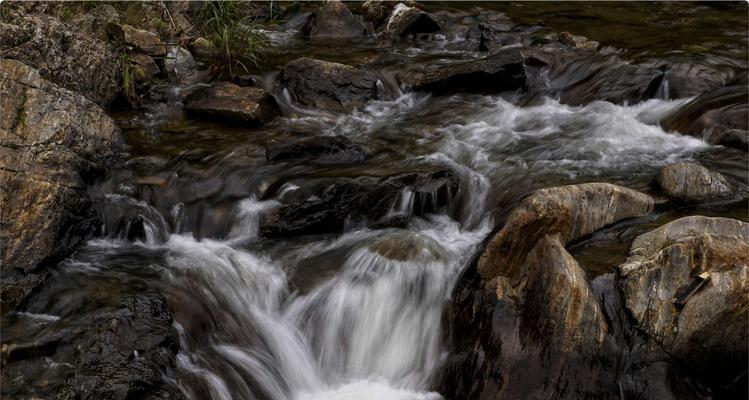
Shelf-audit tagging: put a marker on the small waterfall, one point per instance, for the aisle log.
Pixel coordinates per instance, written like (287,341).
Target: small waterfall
(130,219)
(248,213)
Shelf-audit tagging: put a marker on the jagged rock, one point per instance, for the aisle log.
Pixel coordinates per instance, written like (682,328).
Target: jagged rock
(708,334)
(690,182)
(494,37)
(571,211)
(181,67)
(53,141)
(334,20)
(139,39)
(405,20)
(328,207)
(719,117)
(498,72)
(94,22)
(145,67)
(374,11)
(329,85)
(320,149)
(227,100)
(116,352)
(61,55)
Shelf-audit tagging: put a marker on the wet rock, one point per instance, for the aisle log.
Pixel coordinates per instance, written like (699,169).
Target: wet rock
(494,37)
(375,11)
(330,86)
(329,207)
(686,79)
(691,182)
(578,42)
(246,80)
(495,73)
(405,20)
(718,117)
(320,149)
(116,353)
(54,142)
(236,103)
(570,211)
(708,334)
(408,246)
(140,39)
(62,55)
(334,20)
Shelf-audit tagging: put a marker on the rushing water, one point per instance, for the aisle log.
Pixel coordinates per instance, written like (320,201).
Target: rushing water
(355,315)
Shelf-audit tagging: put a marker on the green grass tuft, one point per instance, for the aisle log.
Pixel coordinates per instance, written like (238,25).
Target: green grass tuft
(239,43)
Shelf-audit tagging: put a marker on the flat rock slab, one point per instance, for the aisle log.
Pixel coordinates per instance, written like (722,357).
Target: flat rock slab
(226,100)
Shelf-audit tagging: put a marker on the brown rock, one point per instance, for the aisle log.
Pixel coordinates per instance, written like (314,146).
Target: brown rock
(405,20)
(334,20)
(51,139)
(688,181)
(571,211)
(140,39)
(145,66)
(227,100)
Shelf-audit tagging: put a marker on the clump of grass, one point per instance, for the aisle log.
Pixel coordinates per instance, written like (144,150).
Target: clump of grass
(128,76)
(239,42)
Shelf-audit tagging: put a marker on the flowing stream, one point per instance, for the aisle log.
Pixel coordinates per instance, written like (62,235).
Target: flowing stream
(356,315)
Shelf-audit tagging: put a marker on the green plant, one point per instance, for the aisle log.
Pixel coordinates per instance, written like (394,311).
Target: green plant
(238,40)
(128,78)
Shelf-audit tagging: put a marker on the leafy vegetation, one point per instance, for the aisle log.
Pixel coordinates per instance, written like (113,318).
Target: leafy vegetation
(239,42)
(128,78)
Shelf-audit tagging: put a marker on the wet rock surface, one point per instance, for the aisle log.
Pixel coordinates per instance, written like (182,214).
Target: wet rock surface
(120,352)
(62,55)
(405,21)
(228,101)
(334,20)
(54,141)
(319,149)
(330,86)
(692,182)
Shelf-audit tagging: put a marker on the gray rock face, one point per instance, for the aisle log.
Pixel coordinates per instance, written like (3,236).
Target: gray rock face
(405,20)
(70,59)
(570,211)
(709,333)
(52,140)
(330,86)
(498,72)
(691,182)
(334,20)
(227,100)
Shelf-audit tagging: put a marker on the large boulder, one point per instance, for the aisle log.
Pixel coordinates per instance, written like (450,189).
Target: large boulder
(332,206)
(686,286)
(334,20)
(690,182)
(405,20)
(62,55)
(570,211)
(54,141)
(720,117)
(318,149)
(330,86)
(498,72)
(226,100)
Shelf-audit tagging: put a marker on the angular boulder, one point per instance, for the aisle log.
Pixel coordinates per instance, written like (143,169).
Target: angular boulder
(54,142)
(62,55)
(319,149)
(140,39)
(330,86)
(570,211)
(686,286)
(405,20)
(498,72)
(690,182)
(334,20)
(226,100)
